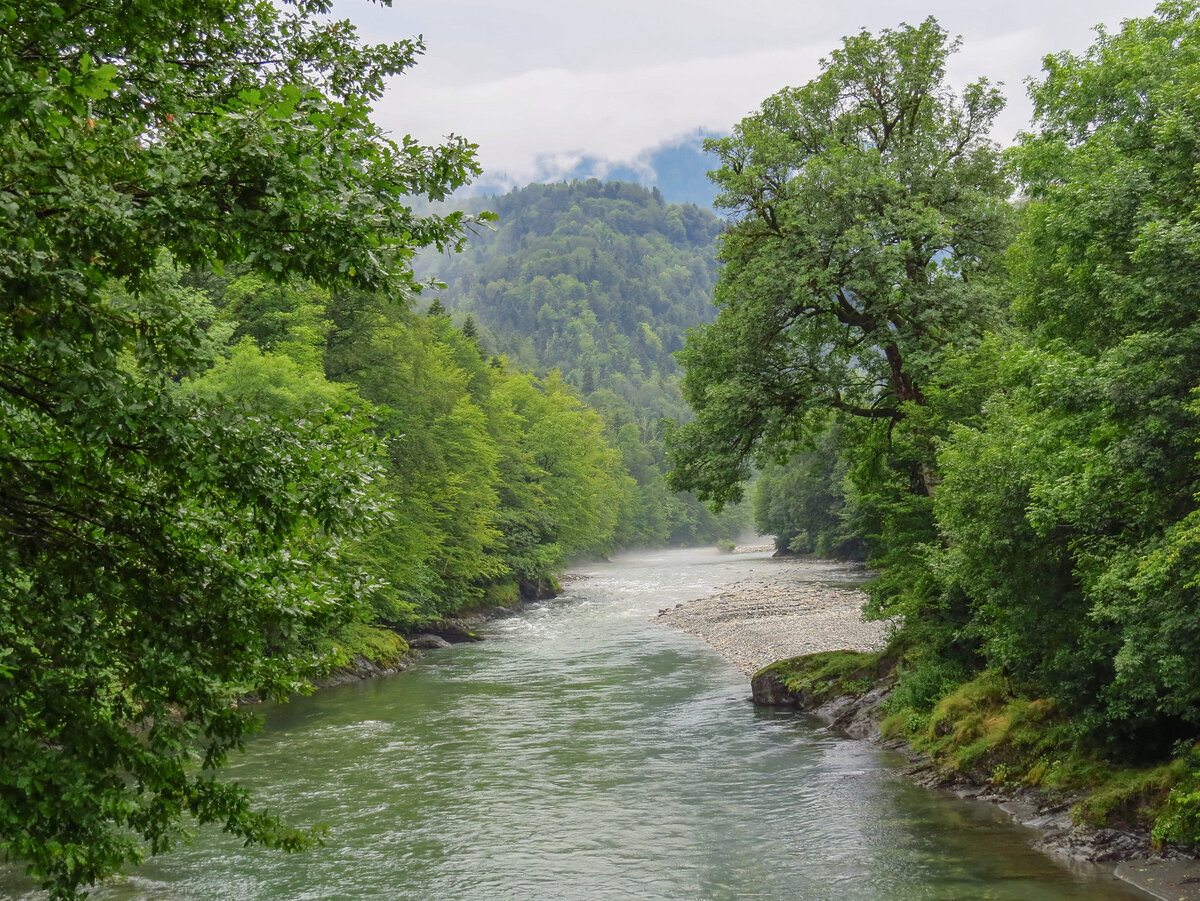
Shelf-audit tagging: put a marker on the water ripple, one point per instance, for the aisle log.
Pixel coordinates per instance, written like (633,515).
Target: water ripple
(584,754)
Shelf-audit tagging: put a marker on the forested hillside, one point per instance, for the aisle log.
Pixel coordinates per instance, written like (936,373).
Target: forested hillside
(232,455)
(997,398)
(490,479)
(600,281)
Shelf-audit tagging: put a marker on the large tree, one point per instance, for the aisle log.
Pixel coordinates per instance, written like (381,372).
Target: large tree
(161,548)
(863,207)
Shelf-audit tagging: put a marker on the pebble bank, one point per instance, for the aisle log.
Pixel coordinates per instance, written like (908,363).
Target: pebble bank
(799,606)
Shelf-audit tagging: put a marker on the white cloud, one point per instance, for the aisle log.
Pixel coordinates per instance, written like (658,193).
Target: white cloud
(546,114)
(539,84)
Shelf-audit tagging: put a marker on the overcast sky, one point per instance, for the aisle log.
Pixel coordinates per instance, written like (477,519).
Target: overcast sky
(540,83)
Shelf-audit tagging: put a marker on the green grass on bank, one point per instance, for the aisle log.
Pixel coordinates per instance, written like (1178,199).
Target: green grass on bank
(375,644)
(830,674)
(986,731)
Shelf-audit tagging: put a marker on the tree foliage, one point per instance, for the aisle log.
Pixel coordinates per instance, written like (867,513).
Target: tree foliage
(865,205)
(1104,411)
(803,502)
(496,479)
(1051,538)
(168,545)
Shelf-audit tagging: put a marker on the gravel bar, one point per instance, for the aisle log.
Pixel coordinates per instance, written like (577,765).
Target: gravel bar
(804,607)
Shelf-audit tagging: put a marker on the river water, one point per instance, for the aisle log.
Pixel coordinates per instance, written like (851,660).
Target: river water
(582,753)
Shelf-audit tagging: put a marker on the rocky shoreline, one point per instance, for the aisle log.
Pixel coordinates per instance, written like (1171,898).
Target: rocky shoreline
(811,606)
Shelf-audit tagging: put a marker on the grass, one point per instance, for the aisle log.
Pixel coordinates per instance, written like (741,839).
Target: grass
(986,731)
(376,644)
(503,594)
(831,674)
(993,735)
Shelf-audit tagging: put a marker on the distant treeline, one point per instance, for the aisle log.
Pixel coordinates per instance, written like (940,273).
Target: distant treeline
(599,281)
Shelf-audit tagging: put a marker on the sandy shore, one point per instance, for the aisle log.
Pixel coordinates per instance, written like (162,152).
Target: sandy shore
(803,607)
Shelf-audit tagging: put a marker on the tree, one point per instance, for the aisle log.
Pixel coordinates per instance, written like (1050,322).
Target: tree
(563,485)
(865,205)
(160,548)
(803,504)
(438,546)
(1070,507)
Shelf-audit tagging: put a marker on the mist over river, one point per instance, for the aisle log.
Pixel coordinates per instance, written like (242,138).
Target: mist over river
(582,753)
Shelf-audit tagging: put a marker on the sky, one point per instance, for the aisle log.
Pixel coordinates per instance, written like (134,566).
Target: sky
(541,84)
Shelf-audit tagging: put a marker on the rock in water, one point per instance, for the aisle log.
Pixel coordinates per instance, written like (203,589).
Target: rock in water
(428,642)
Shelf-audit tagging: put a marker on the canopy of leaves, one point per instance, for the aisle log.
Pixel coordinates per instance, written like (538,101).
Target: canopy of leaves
(803,503)
(865,204)
(167,546)
(495,477)
(1054,541)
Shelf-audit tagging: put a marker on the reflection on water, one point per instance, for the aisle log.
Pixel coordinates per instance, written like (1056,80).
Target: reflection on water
(583,752)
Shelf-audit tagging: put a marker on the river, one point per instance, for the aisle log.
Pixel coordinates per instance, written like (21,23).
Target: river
(583,753)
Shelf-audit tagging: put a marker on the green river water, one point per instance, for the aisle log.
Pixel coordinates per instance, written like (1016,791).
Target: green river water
(582,753)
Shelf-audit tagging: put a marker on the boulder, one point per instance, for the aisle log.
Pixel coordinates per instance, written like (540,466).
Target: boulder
(428,642)
(769,691)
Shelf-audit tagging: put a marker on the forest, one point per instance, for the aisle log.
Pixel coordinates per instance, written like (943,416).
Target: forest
(599,281)
(978,368)
(268,402)
(244,443)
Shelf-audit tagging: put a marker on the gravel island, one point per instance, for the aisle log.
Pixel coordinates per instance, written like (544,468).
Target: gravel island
(802,606)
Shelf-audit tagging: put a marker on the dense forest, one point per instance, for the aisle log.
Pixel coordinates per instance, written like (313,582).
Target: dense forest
(599,281)
(982,368)
(241,444)
(234,455)
(488,478)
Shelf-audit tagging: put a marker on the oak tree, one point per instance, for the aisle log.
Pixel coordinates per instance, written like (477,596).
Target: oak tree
(863,206)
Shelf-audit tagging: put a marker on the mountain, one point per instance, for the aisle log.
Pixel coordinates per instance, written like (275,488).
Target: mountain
(678,168)
(598,279)
(601,281)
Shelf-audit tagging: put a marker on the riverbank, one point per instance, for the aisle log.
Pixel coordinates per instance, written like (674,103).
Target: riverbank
(443,633)
(801,607)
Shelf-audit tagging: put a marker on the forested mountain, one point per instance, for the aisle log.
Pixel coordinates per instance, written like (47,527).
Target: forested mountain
(600,281)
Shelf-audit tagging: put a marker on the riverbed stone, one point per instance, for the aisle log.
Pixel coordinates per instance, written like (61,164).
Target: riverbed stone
(428,642)
(768,690)
(798,606)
